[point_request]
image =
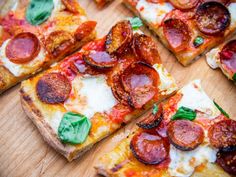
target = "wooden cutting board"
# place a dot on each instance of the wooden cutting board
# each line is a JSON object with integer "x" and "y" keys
{"x": 23, "y": 152}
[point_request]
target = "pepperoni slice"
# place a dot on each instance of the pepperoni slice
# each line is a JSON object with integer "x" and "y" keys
{"x": 184, "y": 4}
{"x": 228, "y": 55}
{"x": 151, "y": 120}
{"x": 222, "y": 134}
{"x": 58, "y": 43}
{"x": 145, "y": 49}
{"x": 227, "y": 160}
{"x": 212, "y": 18}
{"x": 119, "y": 37}
{"x": 177, "y": 34}
{"x": 71, "y": 5}
{"x": 100, "y": 59}
{"x": 85, "y": 29}
{"x": 149, "y": 148}
{"x": 53, "y": 88}
{"x": 185, "y": 135}
{"x": 140, "y": 80}
{"x": 23, "y": 48}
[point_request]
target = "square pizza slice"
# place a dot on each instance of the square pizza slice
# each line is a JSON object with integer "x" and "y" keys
{"x": 35, "y": 34}
{"x": 188, "y": 135}
{"x": 95, "y": 91}
{"x": 187, "y": 28}
{"x": 224, "y": 57}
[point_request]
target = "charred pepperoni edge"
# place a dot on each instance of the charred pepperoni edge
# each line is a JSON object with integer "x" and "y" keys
{"x": 184, "y": 29}
{"x": 124, "y": 28}
{"x": 176, "y": 4}
{"x": 227, "y": 161}
{"x": 151, "y": 120}
{"x": 139, "y": 44}
{"x": 71, "y": 5}
{"x": 182, "y": 147}
{"x": 204, "y": 8}
{"x": 45, "y": 92}
{"x": 89, "y": 60}
{"x": 229, "y": 47}
{"x": 85, "y": 29}
{"x": 132, "y": 148}
{"x": 14, "y": 59}
{"x": 222, "y": 142}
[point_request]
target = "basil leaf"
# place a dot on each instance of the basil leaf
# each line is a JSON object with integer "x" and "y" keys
{"x": 74, "y": 128}
{"x": 184, "y": 113}
{"x": 135, "y": 22}
{"x": 221, "y": 109}
{"x": 154, "y": 109}
{"x": 39, "y": 11}
{"x": 234, "y": 77}
{"x": 198, "y": 41}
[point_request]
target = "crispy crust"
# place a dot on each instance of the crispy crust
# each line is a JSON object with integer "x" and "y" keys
{"x": 185, "y": 58}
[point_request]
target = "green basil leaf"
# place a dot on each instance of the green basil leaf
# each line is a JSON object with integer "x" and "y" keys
{"x": 198, "y": 41}
{"x": 184, "y": 113}
{"x": 74, "y": 128}
{"x": 154, "y": 109}
{"x": 135, "y": 22}
{"x": 221, "y": 109}
{"x": 39, "y": 11}
{"x": 234, "y": 77}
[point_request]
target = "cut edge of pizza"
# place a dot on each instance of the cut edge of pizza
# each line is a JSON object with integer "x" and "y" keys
{"x": 95, "y": 91}
{"x": 223, "y": 57}
{"x": 192, "y": 38}
{"x": 29, "y": 45}
{"x": 180, "y": 137}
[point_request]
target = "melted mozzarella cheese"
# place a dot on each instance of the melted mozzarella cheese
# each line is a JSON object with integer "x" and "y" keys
{"x": 91, "y": 94}
{"x": 21, "y": 69}
{"x": 232, "y": 10}
{"x": 167, "y": 84}
{"x": 212, "y": 58}
{"x": 55, "y": 120}
{"x": 195, "y": 98}
{"x": 183, "y": 163}
{"x": 153, "y": 13}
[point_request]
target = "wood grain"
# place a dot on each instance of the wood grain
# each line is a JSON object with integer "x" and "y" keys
{"x": 23, "y": 152}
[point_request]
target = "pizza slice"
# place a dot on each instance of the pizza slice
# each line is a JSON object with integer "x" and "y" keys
{"x": 224, "y": 57}
{"x": 35, "y": 34}
{"x": 187, "y": 28}
{"x": 188, "y": 135}
{"x": 95, "y": 91}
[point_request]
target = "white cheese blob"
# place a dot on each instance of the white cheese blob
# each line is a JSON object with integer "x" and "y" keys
{"x": 21, "y": 69}
{"x": 183, "y": 163}
{"x": 212, "y": 58}
{"x": 55, "y": 120}
{"x": 232, "y": 10}
{"x": 153, "y": 13}
{"x": 195, "y": 98}
{"x": 90, "y": 94}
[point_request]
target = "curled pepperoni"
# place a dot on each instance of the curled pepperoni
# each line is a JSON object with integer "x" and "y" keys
{"x": 58, "y": 43}
{"x": 149, "y": 148}
{"x": 119, "y": 37}
{"x": 53, "y": 88}
{"x": 185, "y": 135}
{"x": 23, "y": 48}
{"x": 223, "y": 134}
{"x": 85, "y": 29}
{"x": 184, "y": 4}
{"x": 145, "y": 49}
{"x": 228, "y": 55}
{"x": 141, "y": 81}
{"x": 227, "y": 160}
{"x": 177, "y": 34}
{"x": 212, "y": 18}
{"x": 71, "y": 5}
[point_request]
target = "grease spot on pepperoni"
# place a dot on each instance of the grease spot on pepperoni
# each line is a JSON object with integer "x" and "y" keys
{"x": 184, "y": 4}
{"x": 185, "y": 135}
{"x": 85, "y": 29}
{"x": 23, "y": 48}
{"x": 53, "y": 88}
{"x": 227, "y": 160}
{"x": 149, "y": 148}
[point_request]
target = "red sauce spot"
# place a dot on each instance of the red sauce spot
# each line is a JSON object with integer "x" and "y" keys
{"x": 97, "y": 45}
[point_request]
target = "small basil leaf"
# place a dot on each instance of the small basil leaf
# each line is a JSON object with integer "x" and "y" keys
{"x": 234, "y": 77}
{"x": 184, "y": 113}
{"x": 135, "y": 22}
{"x": 154, "y": 109}
{"x": 198, "y": 41}
{"x": 221, "y": 109}
{"x": 74, "y": 128}
{"x": 39, "y": 11}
